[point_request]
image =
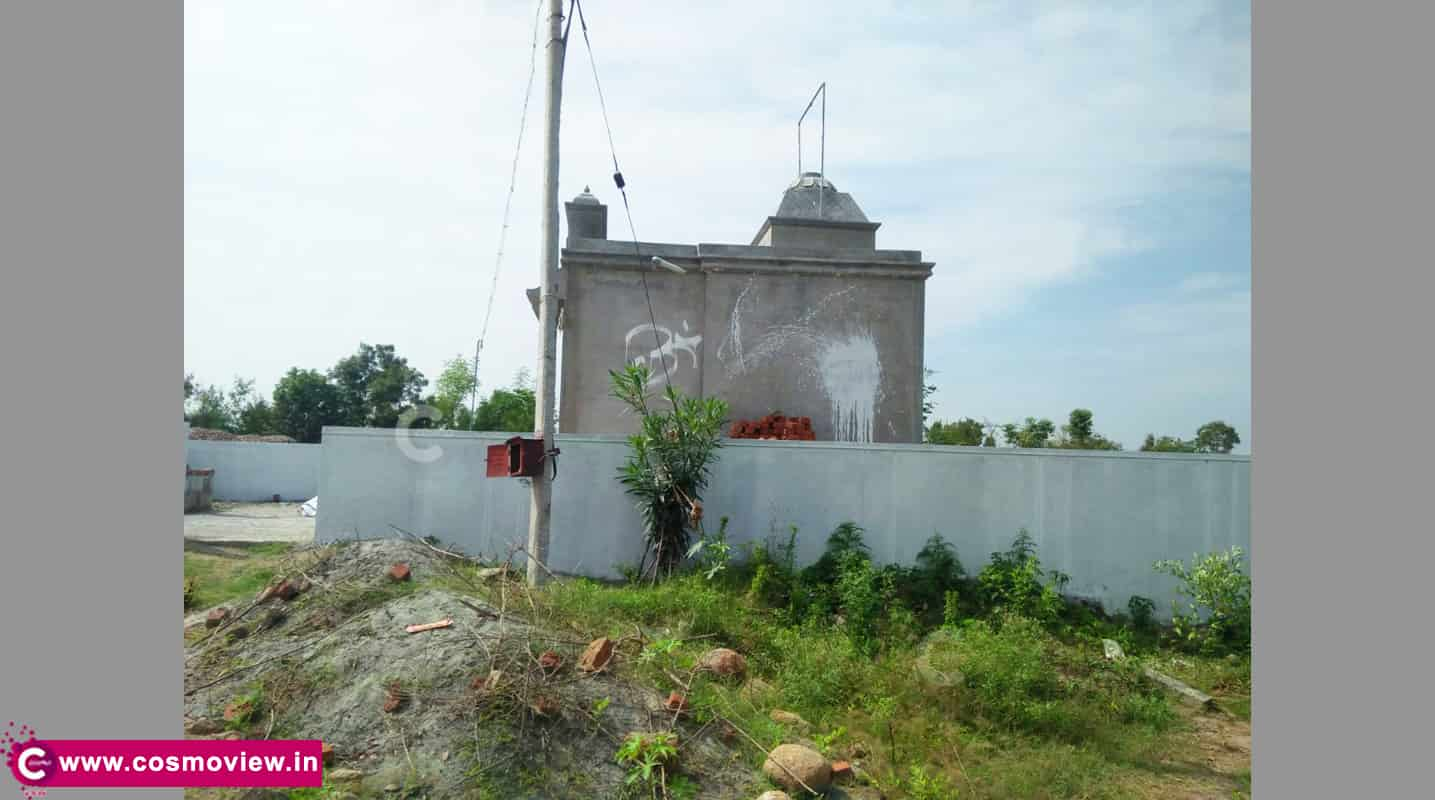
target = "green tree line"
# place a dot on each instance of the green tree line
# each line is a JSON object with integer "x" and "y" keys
{"x": 1077, "y": 434}
{"x": 373, "y": 388}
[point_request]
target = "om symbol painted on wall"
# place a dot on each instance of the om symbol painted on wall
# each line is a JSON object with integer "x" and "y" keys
{"x": 665, "y": 355}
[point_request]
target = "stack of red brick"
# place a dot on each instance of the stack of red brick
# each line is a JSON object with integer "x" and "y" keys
{"x": 774, "y": 426}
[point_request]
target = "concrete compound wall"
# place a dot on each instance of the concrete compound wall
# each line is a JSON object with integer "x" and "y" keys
{"x": 1101, "y": 517}
{"x": 256, "y": 471}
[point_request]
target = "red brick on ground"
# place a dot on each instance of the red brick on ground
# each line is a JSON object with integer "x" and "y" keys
{"x": 597, "y": 655}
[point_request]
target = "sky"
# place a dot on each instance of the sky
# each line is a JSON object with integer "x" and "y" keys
{"x": 1080, "y": 174}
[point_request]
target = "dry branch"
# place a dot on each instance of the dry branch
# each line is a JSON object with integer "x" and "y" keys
{"x": 767, "y": 753}
{"x": 439, "y": 550}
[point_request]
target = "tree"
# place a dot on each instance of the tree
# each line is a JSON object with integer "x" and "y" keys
{"x": 506, "y": 410}
{"x": 257, "y": 418}
{"x": 1216, "y": 437}
{"x": 304, "y": 402}
{"x": 248, "y": 412}
{"x": 928, "y": 405}
{"x": 1032, "y": 433}
{"x": 454, "y": 385}
{"x": 668, "y": 464}
{"x": 966, "y": 431}
{"x": 375, "y": 386}
{"x": 1167, "y": 444}
{"x": 188, "y": 386}
{"x": 209, "y": 408}
{"x": 1078, "y": 433}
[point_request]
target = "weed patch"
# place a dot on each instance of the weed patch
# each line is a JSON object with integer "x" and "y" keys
{"x": 220, "y": 574}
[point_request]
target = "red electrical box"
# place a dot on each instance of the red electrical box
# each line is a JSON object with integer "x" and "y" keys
{"x": 516, "y": 458}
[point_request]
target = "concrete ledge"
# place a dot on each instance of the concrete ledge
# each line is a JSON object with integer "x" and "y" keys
{"x": 937, "y": 450}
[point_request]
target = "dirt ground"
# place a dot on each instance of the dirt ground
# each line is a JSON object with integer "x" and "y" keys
{"x": 250, "y": 522}
{"x": 326, "y": 665}
{"x": 414, "y": 715}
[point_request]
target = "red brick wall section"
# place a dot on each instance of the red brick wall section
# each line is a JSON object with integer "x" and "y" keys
{"x": 774, "y": 426}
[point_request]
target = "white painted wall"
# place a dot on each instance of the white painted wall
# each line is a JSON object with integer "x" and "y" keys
{"x": 1101, "y": 517}
{"x": 256, "y": 471}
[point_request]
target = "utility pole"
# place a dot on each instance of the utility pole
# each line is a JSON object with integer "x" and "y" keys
{"x": 540, "y": 510}
{"x": 473, "y": 395}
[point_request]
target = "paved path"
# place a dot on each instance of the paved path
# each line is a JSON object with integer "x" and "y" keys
{"x": 250, "y": 522}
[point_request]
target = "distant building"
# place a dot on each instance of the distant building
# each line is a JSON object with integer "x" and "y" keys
{"x": 810, "y": 320}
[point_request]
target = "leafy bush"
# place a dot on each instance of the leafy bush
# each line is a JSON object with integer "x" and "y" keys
{"x": 712, "y": 552}
{"x": 821, "y": 671}
{"x": 647, "y": 757}
{"x": 859, "y": 599}
{"x": 669, "y": 464}
{"x": 774, "y": 577}
{"x": 191, "y": 586}
{"x": 921, "y": 786}
{"x": 1014, "y": 581}
{"x": 845, "y": 538}
{"x": 951, "y": 608}
{"x": 1008, "y": 677}
{"x": 1146, "y": 709}
{"x": 1142, "y": 612}
{"x": 938, "y": 571}
{"x": 1217, "y": 614}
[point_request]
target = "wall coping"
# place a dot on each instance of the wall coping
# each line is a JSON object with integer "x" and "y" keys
{"x": 928, "y": 449}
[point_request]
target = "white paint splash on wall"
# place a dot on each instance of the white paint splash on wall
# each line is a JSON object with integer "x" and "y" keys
{"x": 797, "y": 341}
{"x": 846, "y": 368}
{"x": 852, "y": 376}
{"x": 733, "y": 343}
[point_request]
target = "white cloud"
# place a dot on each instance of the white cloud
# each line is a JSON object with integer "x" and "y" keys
{"x": 346, "y": 167}
{"x": 1212, "y": 281}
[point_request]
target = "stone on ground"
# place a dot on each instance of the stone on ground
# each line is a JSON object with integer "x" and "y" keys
{"x": 788, "y": 718}
{"x": 792, "y": 765}
{"x": 723, "y": 661}
{"x": 202, "y": 727}
{"x": 929, "y": 673}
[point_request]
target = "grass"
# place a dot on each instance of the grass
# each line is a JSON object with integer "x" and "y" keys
{"x": 1038, "y": 716}
{"x": 1040, "y": 712}
{"x": 1227, "y": 678}
{"x": 222, "y": 574}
